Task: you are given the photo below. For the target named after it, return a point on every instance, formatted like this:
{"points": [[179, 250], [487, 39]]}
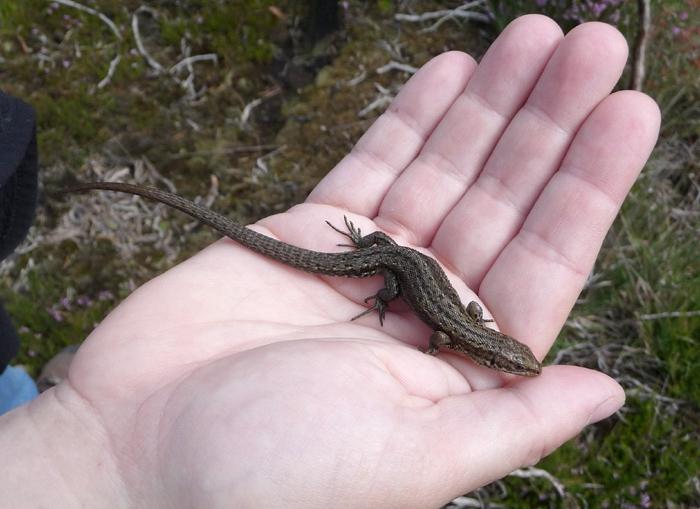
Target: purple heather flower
{"points": [[105, 295], [598, 8], [55, 314], [84, 301]]}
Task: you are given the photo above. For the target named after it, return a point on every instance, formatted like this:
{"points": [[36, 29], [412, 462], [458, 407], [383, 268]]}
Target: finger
{"points": [[534, 283], [485, 435], [359, 182], [582, 71], [458, 147]]}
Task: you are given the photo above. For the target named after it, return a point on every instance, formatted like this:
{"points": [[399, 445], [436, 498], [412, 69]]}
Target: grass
{"points": [[650, 453], [637, 320]]}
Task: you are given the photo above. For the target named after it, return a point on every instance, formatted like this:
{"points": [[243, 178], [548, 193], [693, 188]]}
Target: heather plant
{"points": [[568, 13]]}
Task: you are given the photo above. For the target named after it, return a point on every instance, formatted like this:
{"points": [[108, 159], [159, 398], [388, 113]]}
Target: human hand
{"points": [[232, 380]]}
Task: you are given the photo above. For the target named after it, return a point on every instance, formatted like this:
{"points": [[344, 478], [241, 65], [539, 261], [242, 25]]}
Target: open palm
{"points": [[232, 380]]}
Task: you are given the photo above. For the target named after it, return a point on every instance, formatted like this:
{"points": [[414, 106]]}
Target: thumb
{"points": [[487, 434]]}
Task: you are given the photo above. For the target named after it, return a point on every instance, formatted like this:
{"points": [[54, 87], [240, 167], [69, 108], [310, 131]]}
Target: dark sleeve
{"points": [[18, 193]]}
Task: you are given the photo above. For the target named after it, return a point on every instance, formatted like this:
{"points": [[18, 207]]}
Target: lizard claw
{"points": [[353, 233], [379, 305]]}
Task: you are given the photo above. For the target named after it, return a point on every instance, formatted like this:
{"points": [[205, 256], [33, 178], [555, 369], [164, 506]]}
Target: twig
{"points": [[188, 61], [398, 66], [226, 150], [538, 472], [640, 45], [379, 102], [394, 48], [188, 82], [669, 314], [643, 391], [245, 115], [110, 72], [382, 100], [115, 30], [152, 62], [23, 44], [352, 82], [261, 167], [174, 70], [469, 502], [443, 15], [90, 10], [572, 350], [459, 11]]}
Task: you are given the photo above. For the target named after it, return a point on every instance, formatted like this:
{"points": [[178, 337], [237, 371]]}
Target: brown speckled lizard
{"points": [[417, 278]]}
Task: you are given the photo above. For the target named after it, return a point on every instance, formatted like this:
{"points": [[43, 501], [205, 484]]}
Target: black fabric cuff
{"points": [[18, 172], [9, 341], [18, 194]]}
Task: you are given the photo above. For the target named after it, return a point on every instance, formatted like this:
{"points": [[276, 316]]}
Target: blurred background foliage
{"points": [[247, 104]]}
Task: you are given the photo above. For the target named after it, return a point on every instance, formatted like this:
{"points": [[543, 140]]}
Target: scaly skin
{"points": [[417, 278]]}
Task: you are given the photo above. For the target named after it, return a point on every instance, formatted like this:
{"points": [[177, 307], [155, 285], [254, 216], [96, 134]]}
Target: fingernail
{"points": [[606, 408]]}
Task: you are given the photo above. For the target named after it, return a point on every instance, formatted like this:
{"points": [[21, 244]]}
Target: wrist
{"points": [[55, 448]]}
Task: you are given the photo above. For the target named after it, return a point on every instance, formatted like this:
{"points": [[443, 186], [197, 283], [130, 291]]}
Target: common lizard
{"points": [[417, 278]]}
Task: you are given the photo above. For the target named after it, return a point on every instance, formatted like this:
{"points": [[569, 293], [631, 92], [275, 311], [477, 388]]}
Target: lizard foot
{"points": [[379, 305], [353, 233]]}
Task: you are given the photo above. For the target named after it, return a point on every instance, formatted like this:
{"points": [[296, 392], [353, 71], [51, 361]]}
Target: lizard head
{"points": [[503, 353], [517, 358]]}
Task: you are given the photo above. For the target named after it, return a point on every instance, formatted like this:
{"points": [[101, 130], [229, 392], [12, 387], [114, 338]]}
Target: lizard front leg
{"points": [[476, 313], [391, 288], [360, 241]]}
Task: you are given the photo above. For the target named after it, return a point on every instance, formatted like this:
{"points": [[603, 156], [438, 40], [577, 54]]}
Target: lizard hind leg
{"points": [[379, 305], [437, 339], [382, 298]]}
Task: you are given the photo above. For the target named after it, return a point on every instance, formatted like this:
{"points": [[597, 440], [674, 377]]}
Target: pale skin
{"points": [[234, 381]]}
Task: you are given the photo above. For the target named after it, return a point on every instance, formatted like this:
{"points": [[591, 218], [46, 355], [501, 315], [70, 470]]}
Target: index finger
{"points": [[360, 181]]}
